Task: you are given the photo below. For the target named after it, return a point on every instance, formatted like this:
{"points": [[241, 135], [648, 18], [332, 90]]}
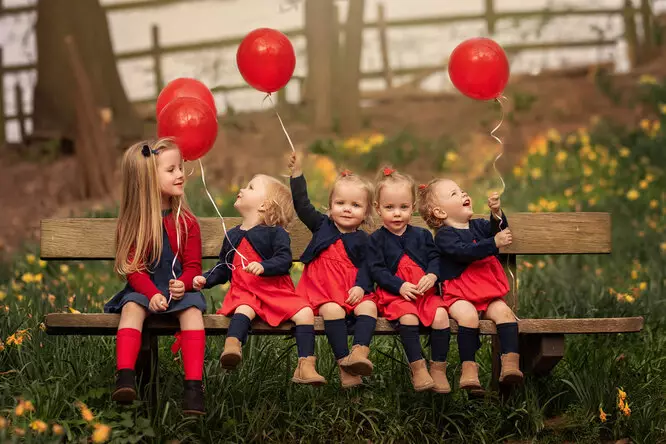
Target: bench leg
{"points": [[539, 354], [146, 368]]}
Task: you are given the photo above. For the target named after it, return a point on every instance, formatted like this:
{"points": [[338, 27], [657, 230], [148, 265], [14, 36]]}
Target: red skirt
{"points": [[424, 307], [328, 278], [482, 282], [273, 298]]}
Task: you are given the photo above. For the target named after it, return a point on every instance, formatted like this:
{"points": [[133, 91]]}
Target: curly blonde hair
{"points": [[388, 175], [427, 204], [279, 207], [347, 176]]}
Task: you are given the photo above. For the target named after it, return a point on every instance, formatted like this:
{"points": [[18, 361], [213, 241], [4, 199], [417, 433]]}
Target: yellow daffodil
{"points": [[101, 434], [39, 426], [587, 188], [517, 171], [643, 184], [451, 156], [58, 430], [561, 156], [632, 194], [3, 295], [376, 139], [647, 79], [30, 258], [536, 173], [42, 263], [64, 269], [602, 415], [621, 394], [624, 152]]}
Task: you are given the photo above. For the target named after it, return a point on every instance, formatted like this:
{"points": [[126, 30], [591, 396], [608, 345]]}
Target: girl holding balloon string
{"points": [[157, 237], [256, 258], [336, 279]]}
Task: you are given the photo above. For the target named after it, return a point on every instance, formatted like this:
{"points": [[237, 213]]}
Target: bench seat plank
{"points": [[106, 324]]}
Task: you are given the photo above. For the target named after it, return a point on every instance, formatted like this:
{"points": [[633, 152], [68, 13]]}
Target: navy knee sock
{"points": [[305, 340], [410, 340], [238, 327], [439, 344], [508, 337], [468, 343], [365, 327], [336, 332]]}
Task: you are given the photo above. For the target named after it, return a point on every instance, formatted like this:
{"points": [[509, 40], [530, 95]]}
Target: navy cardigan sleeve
{"points": [[220, 273], [306, 212], [363, 278], [379, 270], [280, 263], [433, 254], [449, 242]]}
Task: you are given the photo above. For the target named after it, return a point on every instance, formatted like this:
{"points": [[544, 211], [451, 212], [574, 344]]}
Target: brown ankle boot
{"points": [[511, 373], [469, 379], [438, 374], [306, 373], [347, 380], [231, 355], [357, 363], [421, 379]]}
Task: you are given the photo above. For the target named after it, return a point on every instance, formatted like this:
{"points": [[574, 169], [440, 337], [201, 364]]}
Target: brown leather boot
{"points": [[511, 373], [421, 379], [469, 379], [347, 380], [438, 374], [306, 373], [231, 355], [357, 363]]}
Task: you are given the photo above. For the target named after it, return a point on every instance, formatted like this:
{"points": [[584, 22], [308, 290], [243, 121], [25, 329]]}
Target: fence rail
{"points": [[156, 51]]}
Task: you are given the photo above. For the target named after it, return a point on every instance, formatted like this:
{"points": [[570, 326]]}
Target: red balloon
{"points": [[192, 123], [184, 87], [266, 59], [479, 68]]}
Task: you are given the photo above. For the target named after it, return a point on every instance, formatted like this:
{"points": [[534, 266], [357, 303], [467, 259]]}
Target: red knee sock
{"points": [[193, 345], [128, 344]]}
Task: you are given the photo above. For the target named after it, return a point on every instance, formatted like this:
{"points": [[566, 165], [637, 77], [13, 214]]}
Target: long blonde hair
{"points": [[139, 230]]}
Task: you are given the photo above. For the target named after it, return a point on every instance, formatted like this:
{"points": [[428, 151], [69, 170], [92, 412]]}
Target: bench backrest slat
{"points": [[533, 233]]}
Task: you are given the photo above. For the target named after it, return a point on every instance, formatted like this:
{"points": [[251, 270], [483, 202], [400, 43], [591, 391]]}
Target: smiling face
{"points": [[252, 198], [395, 206], [452, 204], [170, 173], [349, 205]]}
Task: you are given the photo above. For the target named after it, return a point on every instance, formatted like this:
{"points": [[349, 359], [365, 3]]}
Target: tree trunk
{"points": [[350, 100], [318, 87], [54, 107]]}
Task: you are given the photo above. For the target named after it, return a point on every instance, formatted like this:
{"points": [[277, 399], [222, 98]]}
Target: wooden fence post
{"points": [[350, 99], [3, 138], [648, 31], [383, 45], [157, 59], [490, 16], [630, 34], [20, 115]]}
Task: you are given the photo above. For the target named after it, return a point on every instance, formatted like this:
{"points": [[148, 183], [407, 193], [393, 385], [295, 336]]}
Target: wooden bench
{"points": [[542, 340]]}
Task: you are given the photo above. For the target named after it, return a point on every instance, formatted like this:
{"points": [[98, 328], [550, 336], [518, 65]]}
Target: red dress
{"points": [[328, 278], [482, 282], [424, 307], [273, 298]]}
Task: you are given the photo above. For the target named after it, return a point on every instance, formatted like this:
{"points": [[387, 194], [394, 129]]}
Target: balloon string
{"points": [[501, 100], [175, 256], [224, 225], [268, 96]]}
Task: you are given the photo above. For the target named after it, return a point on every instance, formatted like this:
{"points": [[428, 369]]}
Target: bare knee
{"points": [[245, 310], [366, 308], [499, 312], [441, 320], [305, 316], [409, 319], [191, 319], [132, 315], [465, 313], [331, 310]]}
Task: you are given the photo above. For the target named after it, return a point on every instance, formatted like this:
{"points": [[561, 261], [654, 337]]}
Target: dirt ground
{"points": [[253, 142]]}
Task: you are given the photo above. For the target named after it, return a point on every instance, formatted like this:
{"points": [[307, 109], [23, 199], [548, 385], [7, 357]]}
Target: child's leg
{"points": [[440, 336], [306, 372], [507, 330], [128, 341], [336, 328], [193, 342], [236, 336], [357, 363], [468, 342], [409, 334]]}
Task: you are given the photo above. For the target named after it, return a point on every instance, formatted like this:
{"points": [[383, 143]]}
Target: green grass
{"points": [[601, 171]]}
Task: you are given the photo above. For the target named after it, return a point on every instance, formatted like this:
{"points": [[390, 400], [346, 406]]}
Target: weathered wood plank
{"points": [[106, 324], [533, 233]]}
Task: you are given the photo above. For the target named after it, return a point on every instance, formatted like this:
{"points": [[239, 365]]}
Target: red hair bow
{"points": [[388, 171], [345, 173], [422, 186]]}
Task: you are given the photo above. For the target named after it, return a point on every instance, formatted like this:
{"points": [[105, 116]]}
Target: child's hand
{"points": [[494, 204], [409, 291], [503, 238], [198, 283], [158, 303], [355, 295], [426, 283], [295, 164], [254, 268], [176, 289]]}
